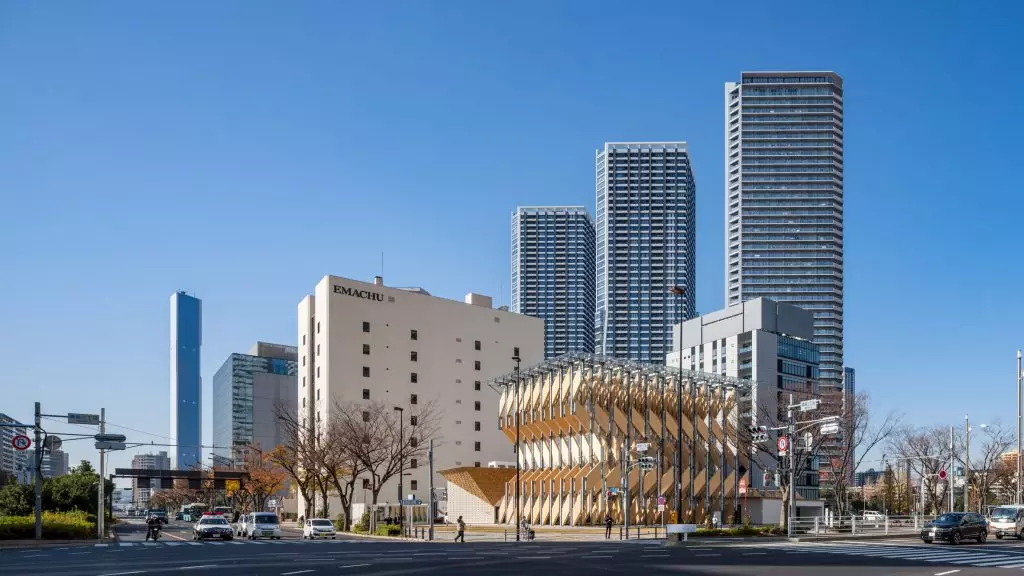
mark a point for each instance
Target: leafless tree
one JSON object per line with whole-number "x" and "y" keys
{"x": 988, "y": 469}
{"x": 926, "y": 451}
{"x": 340, "y": 463}
{"x": 379, "y": 442}
{"x": 297, "y": 456}
{"x": 859, "y": 435}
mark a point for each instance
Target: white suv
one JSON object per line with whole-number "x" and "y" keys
{"x": 318, "y": 528}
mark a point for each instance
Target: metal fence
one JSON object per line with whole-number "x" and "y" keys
{"x": 860, "y": 525}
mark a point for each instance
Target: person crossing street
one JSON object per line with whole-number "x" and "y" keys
{"x": 462, "y": 530}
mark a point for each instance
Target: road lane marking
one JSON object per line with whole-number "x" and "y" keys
{"x": 353, "y": 566}
{"x": 124, "y": 543}
{"x": 946, "y": 572}
{"x": 173, "y": 543}
{"x": 80, "y": 553}
{"x": 596, "y": 556}
{"x": 101, "y": 545}
{"x": 35, "y": 556}
{"x": 534, "y": 557}
{"x": 706, "y": 555}
{"x": 197, "y": 567}
{"x": 123, "y": 573}
{"x": 296, "y": 572}
{"x": 755, "y": 553}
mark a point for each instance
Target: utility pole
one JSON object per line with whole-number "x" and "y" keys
{"x": 952, "y": 469}
{"x": 401, "y": 463}
{"x": 99, "y": 505}
{"x": 39, "y": 473}
{"x": 518, "y": 360}
{"x": 678, "y": 291}
{"x": 967, "y": 461}
{"x": 792, "y": 469}
{"x": 1020, "y": 376}
{"x": 430, "y": 471}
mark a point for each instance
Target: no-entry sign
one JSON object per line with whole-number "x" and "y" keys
{"x": 783, "y": 443}
{"x": 21, "y": 442}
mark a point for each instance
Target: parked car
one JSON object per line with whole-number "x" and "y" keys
{"x": 956, "y": 527}
{"x": 1007, "y": 521}
{"x": 318, "y": 528}
{"x": 212, "y": 526}
{"x": 872, "y": 516}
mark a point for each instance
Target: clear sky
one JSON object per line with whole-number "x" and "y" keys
{"x": 240, "y": 150}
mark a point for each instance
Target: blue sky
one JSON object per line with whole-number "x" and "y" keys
{"x": 241, "y": 149}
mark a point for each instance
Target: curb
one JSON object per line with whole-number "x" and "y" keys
{"x": 31, "y": 544}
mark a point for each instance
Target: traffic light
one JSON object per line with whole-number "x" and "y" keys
{"x": 758, "y": 434}
{"x": 646, "y": 462}
{"x": 767, "y": 478}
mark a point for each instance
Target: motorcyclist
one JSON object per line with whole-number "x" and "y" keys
{"x": 152, "y": 526}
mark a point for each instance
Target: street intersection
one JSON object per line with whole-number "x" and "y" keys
{"x": 347, "y": 555}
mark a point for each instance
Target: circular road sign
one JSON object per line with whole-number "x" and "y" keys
{"x": 21, "y": 442}
{"x": 783, "y": 443}
{"x": 942, "y": 474}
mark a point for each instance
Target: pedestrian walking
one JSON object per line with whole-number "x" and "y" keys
{"x": 608, "y": 526}
{"x": 462, "y": 530}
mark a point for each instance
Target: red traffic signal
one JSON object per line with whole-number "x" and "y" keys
{"x": 942, "y": 474}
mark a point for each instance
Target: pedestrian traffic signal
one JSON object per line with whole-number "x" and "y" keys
{"x": 646, "y": 463}
{"x": 767, "y": 478}
{"x": 758, "y": 434}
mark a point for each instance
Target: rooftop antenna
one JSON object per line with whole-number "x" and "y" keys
{"x": 381, "y": 263}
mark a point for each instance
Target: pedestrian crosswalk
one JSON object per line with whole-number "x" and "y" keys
{"x": 173, "y": 543}
{"x": 977, "y": 556}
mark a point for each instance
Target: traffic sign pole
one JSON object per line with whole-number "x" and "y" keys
{"x": 99, "y": 506}
{"x": 39, "y": 473}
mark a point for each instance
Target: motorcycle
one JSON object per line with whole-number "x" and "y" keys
{"x": 153, "y": 531}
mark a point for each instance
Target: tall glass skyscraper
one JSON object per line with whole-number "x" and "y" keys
{"x": 248, "y": 391}
{"x": 784, "y": 199}
{"x": 186, "y": 383}
{"x": 646, "y": 232}
{"x": 553, "y": 274}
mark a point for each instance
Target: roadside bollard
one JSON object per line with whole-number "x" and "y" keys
{"x": 887, "y": 525}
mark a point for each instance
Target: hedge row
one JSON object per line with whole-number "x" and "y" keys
{"x": 56, "y": 526}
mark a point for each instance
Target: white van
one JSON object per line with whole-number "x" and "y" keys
{"x": 264, "y": 525}
{"x": 1007, "y": 520}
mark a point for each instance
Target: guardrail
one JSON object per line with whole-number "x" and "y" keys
{"x": 860, "y": 525}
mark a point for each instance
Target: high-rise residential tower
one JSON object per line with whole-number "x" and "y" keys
{"x": 646, "y": 232}
{"x": 186, "y": 384}
{"x": 553, "y": 274}
{"x": 784, "y": 199}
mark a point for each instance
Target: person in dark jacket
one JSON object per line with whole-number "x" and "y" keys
{"x": 608, "y": 526}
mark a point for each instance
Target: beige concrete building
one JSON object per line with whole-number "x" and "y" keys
{"x": 362, "y": 341}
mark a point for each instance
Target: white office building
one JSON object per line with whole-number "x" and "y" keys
{"x": 766, "y": 342}
{"x": 362, "y": 341}
{"x": 13, "y": 462}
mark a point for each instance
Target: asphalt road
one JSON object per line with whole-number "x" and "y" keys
{"x": 379, "y": 558}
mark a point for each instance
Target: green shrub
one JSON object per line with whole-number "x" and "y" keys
{"x": 389, "y": 530}
{"x": 363, "y": 526}
{"x": 56, "y": 526}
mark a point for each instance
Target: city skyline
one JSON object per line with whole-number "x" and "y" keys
{"x": 186, "y": 380}
{"x": 109, "y": 159}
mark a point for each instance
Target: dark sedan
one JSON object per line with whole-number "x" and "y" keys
{"x": 212, "y": 527}
{"x": 956, "y": 527}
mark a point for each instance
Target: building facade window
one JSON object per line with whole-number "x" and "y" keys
{"x": 414, "y": 378}
{"x": 476, "y": 464}
{"x": 413, "y": 484}
{"x": 366, "y": 418}
{"x": 476, "y": 446}
{"x": 366, "y": 372}
{"x": 476, "y": 385}
{"x": 366, "y": 484}
{"x": 476, "y": 426}
{"x": 476, "y": 406}
{"x": 413, "y": 420}
{"x": 476, "y": 364}
{"x": 412, "y": 399}
{"x": 366, "y": 326}
{"x": 366, "y": 393}
{"x": 476, "y": 345}
{"x": 413, "y": 335}
{"x": 413, "y": 463}
{"x": 366, "y": 349}
{"x": 413, "y": 356}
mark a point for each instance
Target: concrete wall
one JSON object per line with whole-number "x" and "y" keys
{"x": 472, "y": 509}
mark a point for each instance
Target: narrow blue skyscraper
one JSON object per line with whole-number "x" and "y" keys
{"x": 186, "y": 384}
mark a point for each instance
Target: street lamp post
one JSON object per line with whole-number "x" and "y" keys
{"x": 679, "y": 292}
{"x": 1020, "y": 377}
{"x": 967, "y": 462}
{"x": 401, "y": 462}
{"x": 517, "y": 360}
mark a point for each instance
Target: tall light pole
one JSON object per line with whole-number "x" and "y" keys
{"x": 967, "y": 461}
{"x": 1020, "y": 376}
{"x": 401, "y": 461}
{"x": 517, "y": 360}
{"x": 679, "y": 291}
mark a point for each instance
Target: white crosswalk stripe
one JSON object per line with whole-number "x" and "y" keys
{"x": 960, "y": 556}
{"x": 235, "y": 542}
